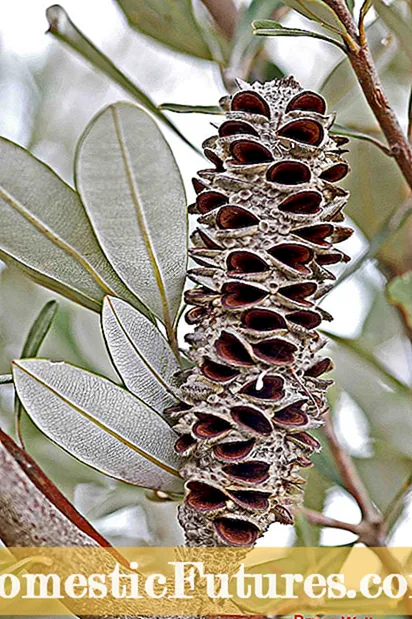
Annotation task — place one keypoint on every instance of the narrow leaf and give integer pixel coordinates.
(399, 291)
(99, 423)
(62, 27)
(133, 192)
(187, 109)
(32, 345)
(5, 379)
(171, 23)
(271, 28)
(318, 11)
(397, 23)
(140, 353)
(338, 129)
(45, 232)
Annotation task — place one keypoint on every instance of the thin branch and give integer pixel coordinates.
(364, 67)
(320, 520)
(225, 15)
(351, 479)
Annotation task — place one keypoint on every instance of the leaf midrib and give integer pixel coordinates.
(54, 238)
(151, 369)
(140, 215)
(99, 423)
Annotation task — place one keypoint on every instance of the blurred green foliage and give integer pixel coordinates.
(60, 93)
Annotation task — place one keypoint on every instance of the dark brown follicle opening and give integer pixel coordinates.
(288, 173)
(239, 262)
(210, 426)
(292, 415)
(208, 242)
(213, 158)
(331, 258)
(271, 388)
(252, 419)
(238, 295)
(235, 217)
(198, 185)
(184, 443)
(217, 372)
(233, 451)
(209, 200)
(305, 318)
(282, 514)
(298, 292)
(247, 152)
(251, 499)
(335, 173)
(303, 130)
(236, 532)
(231, 349)
(253, 472)
(315, 234)
(204, 497)
(306, 440)
(293, 255)
(275, 350)
(263, 320)
(302, 203)
(250, 101)
(236, 127)
(307, 101)
(321, 367)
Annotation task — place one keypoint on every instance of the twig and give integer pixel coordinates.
(320, 520)
(225, 15)
(363, 65)
(351, 479)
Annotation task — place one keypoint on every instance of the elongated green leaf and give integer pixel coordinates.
(397, 23)
(338, 129)
(386, 406)
(99, 423)
(399, 293)
(62, 27)
(133, 192)
(33, 342)
(245, 46)
(188, 109)
(39, 330)
(140, 353)
(318, 11)
(171, 23)
(269, 28)
(45, 232)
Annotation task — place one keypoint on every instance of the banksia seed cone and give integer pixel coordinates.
(270, 216)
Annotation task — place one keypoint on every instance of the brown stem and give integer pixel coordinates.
(351, 479)
(225, 15)
(363, 65)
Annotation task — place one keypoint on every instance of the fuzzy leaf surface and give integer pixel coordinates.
(133, 193)
(99, 423)
(46, 233)
(140, 353)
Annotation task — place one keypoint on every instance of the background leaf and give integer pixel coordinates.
(62, 27)
(399, 292)
(271, 28)
(140, 353)
(171, 23)
(98, 422)
(318, 11)
(45, 231)
(133, 193)
(34, 340)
